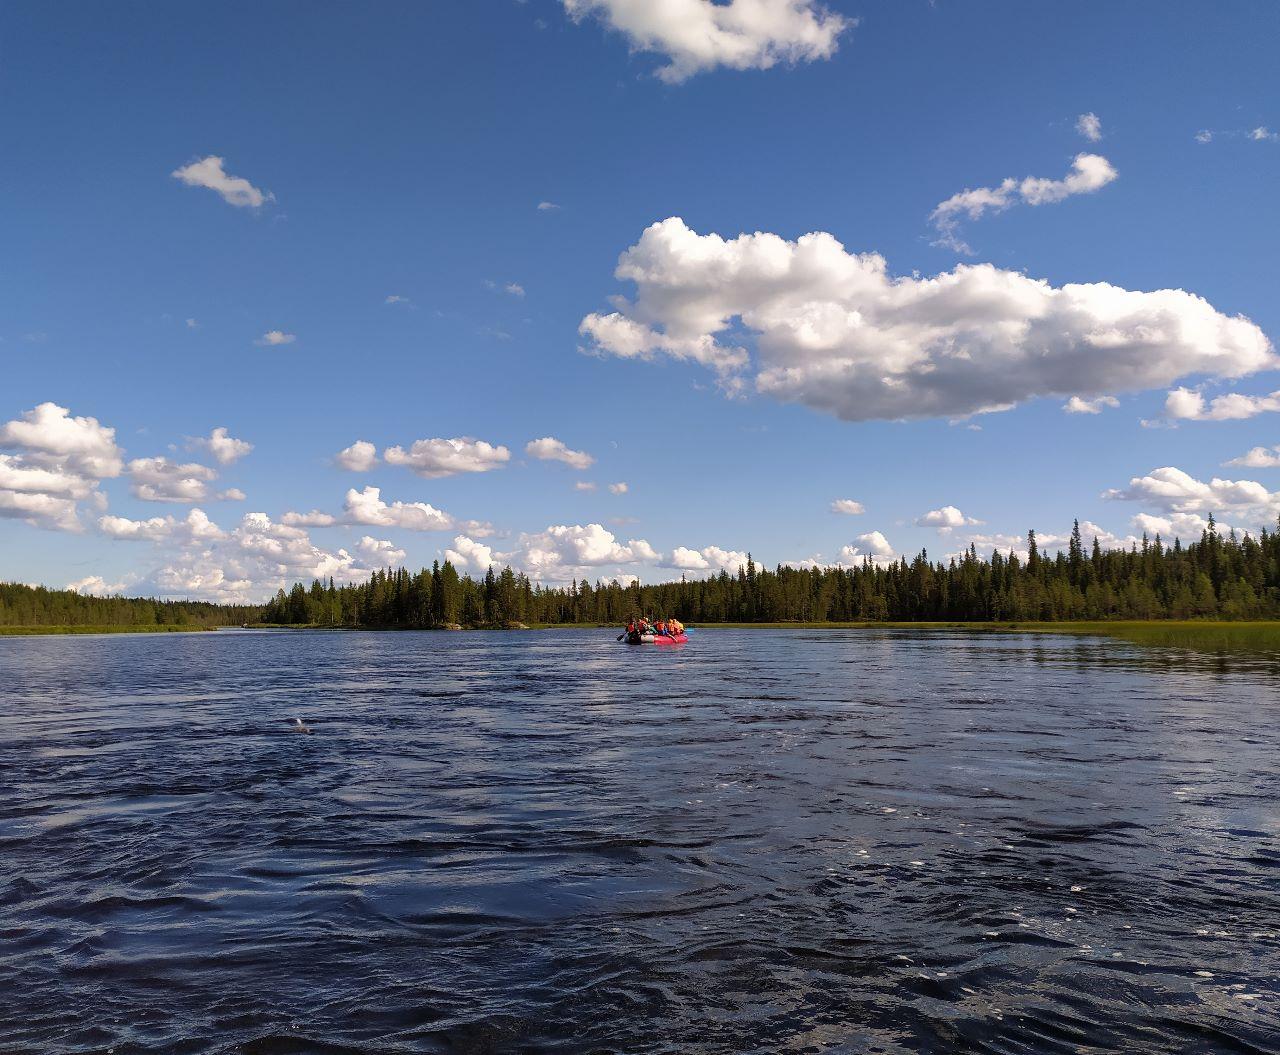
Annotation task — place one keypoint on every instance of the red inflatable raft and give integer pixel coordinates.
(657, 639)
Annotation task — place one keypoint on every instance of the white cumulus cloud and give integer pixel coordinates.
(379, 552)
(697, 35)
(848, 507)
(467, 554)
(1171, 489)
(872, 546)
(97, 586)
(1184, 404)
(620, 488)
(711, 558)
(435, 458)
(360, 457)
(1258, 458)
(1076, 405)
(548, 448)
(560, 551)
(315, 518)
(194, 527)
(40, 510)
(48, 435)
(58, 459)
(837, 333)
(1188, 526)
(224, 448)
(274, 338)
(367, 507)
(234, 190)
(946, 519)
(160, 480)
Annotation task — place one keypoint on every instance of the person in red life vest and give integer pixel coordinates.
(660, 627)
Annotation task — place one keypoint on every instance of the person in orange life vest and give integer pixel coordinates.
(674, 627)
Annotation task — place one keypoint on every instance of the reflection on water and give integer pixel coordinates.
(763, 841)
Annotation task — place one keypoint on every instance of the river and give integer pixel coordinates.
(762, 841)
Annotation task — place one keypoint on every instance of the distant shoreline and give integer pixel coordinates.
(45, 631)
(1195, 634)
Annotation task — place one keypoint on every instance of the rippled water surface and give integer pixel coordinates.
(761, 842)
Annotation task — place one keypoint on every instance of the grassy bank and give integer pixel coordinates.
(30, 631)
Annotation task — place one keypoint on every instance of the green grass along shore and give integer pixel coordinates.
(1196, 634)
(32, 631)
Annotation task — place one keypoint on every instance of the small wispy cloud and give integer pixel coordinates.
(395, 298)
(1090, 126)
(234, 190)
(1259, 134)
(1089, 173)
(272, 338)
(1077, 405)
(513, 289)
(548, 206)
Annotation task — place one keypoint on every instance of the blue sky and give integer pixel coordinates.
(403, 151)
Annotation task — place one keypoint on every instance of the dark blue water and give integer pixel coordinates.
(761, 842)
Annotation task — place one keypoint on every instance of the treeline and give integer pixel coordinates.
(22, 605)
(1215, 578)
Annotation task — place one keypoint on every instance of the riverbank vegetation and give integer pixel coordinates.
(36, 609)
(1217, 577)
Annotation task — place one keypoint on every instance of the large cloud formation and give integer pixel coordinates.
(1171, 489)
(698, 35)
(255, 559)
(57, 460)
(836, 332)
